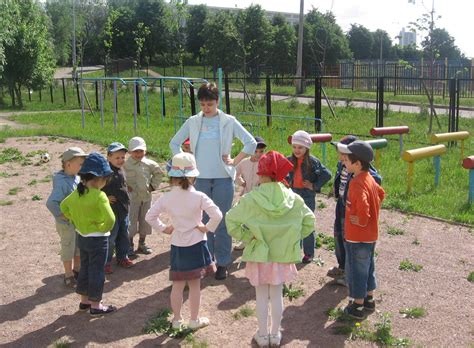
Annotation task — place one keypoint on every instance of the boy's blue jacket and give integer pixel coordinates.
(318, 174)
(63, 186)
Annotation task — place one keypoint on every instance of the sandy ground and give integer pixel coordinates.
(36, 309)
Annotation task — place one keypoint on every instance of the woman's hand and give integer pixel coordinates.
(169, 229)
(227, 160)
(202, 228)
(308, 184)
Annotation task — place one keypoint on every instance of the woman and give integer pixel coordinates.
(211, 133)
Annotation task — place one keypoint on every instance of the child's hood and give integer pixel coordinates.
(274, 198)
(61, 177)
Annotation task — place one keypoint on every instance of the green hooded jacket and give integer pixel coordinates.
(272, 220)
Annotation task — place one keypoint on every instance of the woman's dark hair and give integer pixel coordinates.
(208, 91)
(180, 181)
(365, 165)
(305, 162)
(81, 187)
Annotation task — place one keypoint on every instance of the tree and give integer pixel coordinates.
(443, 44)
(176, 16)
(122, 37)
(382, 47)
(140, 33)
(282, 51)
(407, 53)
(360, 41)
(29, 54)
(60, 14)
(324, 41)
(194, 30)
(7, 30)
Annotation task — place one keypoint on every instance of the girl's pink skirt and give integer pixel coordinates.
(271, 273)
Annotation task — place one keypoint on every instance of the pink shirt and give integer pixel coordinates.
(247, 173)
(185, 208)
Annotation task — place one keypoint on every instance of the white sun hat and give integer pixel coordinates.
(183, 164)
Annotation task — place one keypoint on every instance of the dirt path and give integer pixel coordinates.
(36, 310)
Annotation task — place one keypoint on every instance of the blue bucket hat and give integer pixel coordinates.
(116, 146)
(96, 164)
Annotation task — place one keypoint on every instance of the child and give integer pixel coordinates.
(190, 256)
(307, 178)
(64, 182)
(360, 227)
(341, 180)
(246, 174)
(272, 220)
(116, 191)
(88, 208)
(185, 147)
(143, 176)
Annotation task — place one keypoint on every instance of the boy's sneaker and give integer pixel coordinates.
(341, 281)
(369, 304)
(102, 311)
(221, 273)
(355, 310)
(144, 249)
(275, 339)
(70, 282)
(262, 341)
(199, 323)
(307, 259)
(84, 306)
(108, 268)
(125, 263)
(335, 272)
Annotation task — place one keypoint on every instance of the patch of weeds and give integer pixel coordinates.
(10, 154)
(407, 265)
(47, 178)
(36, 198)
(7, 175)
(416, 242)
(337, 314)
(4, 203)
(470, 277)
(244, 312)
(32, 182)
(413, 313)
(327, 241)
(322, 205)
(293, 103)
(292, 293)
(57, 139)
(191, 340)
(160, 324)
(393, 231)
(61, 343)
(319, 261)
(14, 191)
(34, 153)
(349, 103)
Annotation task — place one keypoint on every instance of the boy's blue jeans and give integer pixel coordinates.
(119, 239)
(309, 199)
(221, 191)
(90, 281)
(339, 233)
(360, 268)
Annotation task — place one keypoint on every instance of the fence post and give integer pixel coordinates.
(51, 93)
(458, 92)
(226, 92)
(395, 81)
(193, 100)
(162, 95)
(380, 90)
(96, 84)
(77, 92)
(317, 103)
(452, 105)
(29, 94)
(40, 93)
(268, 96)
(64, 90)
(137, 91)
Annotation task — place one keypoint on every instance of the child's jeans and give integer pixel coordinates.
(309, 199)
(119, 239)
(339, 234)
(90, 281)
(360, 268)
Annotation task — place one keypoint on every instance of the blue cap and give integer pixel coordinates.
(96, 164)
(116, 146)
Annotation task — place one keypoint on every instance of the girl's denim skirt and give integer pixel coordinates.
(192, 262)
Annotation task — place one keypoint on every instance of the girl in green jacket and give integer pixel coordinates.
(272, 220)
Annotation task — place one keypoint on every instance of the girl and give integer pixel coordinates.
(210, 134)
(306, 178)
(89, 210)
(190, 256)
(272, 220)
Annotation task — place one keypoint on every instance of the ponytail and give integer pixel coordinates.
(81, 187)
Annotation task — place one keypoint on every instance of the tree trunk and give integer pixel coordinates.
(17, 90)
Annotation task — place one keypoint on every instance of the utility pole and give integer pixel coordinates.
(299, 56)
(74, 64)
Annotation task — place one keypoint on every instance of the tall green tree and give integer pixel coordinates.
(360, 41)
(282, 54)
(382, 46)
(29, 54)
(444, 45)
(60, 14)
(177, 14)
(7, 29)
(194, 30)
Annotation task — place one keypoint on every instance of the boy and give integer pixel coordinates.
(364, 199)
(143, 177)
(65, 182)
(186, 147)
(246, 174)
(116, 191)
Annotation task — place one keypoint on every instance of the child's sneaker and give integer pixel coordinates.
(275, 339)
(125, 263)
(307, 259)
(199, 323)
(144, 249)
(355, 310)
(177, 324)
(262, 341)
(102, 310)
(108, 268)
(369, 304)
(341, 281)
(70, 282)
(335, 272)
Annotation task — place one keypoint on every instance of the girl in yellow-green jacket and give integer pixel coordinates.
(88, 209)
(272, 220)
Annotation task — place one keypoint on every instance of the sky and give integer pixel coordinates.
(457, 16)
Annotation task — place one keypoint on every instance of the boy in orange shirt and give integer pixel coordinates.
(361, 227)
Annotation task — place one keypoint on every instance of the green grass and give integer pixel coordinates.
(394, 231)
(448, 201)
(4, 203)
(413, 313)
(160, 324)
(61, 343)
(407, 265)
(36, 198)
(292, 292)
(243, 312)
(13, 191)
(328, 242)
(470, 277)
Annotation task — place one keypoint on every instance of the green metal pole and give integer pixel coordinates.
(219, 74)
(146, 106)
(180, 98)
